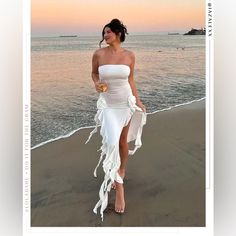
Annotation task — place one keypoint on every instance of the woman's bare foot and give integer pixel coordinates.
(120, 199)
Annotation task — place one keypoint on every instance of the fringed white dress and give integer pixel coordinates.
(115, 108)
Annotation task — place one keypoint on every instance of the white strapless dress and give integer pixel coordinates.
(115, 108)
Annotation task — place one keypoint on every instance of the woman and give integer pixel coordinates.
(121, 113)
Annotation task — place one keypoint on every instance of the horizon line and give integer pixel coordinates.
(35, 35)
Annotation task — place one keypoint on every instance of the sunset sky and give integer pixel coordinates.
(87, 17)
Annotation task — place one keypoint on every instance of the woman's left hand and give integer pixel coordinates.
(140, 104)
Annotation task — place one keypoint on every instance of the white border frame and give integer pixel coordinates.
(209, 121)
(26, 41)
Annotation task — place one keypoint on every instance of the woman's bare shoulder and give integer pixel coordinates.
(99, 51)
(130, 53)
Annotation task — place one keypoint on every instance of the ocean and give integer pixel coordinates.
(169, 71)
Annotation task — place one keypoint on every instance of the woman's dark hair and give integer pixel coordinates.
(116, 27)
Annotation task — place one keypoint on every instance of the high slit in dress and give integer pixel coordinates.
(115, 108)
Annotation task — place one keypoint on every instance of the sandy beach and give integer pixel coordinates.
(164, 183)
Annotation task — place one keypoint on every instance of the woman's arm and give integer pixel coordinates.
(133, 85)
(94, 73)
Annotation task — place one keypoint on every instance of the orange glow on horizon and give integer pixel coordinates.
(93, 15)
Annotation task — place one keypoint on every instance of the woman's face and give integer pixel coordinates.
(109, 36)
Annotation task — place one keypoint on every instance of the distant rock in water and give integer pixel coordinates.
(196, 32)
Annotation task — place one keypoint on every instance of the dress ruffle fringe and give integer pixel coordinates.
(111, 163)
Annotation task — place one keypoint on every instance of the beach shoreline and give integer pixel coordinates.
(164, 185)
(93, 126)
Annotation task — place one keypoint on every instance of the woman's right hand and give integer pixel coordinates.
(97, 86)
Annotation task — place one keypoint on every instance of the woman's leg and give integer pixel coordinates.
(120, 200)
(124, 150)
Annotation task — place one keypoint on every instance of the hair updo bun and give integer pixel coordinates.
(116, 27)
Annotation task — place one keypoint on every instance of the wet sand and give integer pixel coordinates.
(164, 183)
